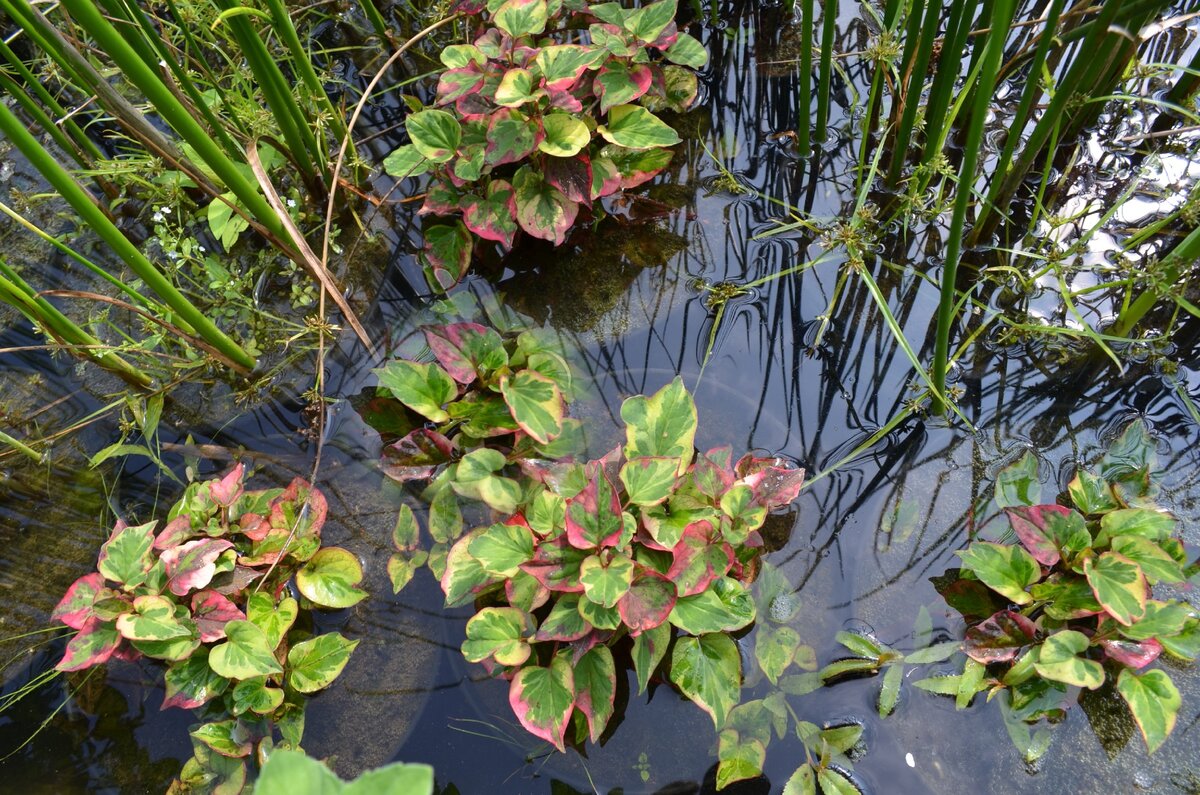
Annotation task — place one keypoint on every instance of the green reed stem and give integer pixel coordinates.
(1001, 18)
(942, 91)
(915, 70)
(84, 148)
(302, 63)
(21, 448)
(829, 13)
(804, 103)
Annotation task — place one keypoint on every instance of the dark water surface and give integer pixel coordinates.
(861, 544)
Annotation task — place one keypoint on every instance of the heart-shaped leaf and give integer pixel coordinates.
(493, 217)
(253, 695)
(402, 566)
(776, 481)
(331, 578)
(662, 425)
(708, 670)
(542, 699)
(273, 619)
(92, 645)
(227, 738)
(542, 210)
(595, 688)
(125, 556)
(634, 166)
(502, 548)
(774, 649)
(648, 22)
(246, 653)
(556, 565)
(467, 351)
(619, 84)
(1050, 532)
(1154, 701)
(724, 607)
(516, 88)
(999, 638)
(498, 632)
(1119, 586)
(687, 51)
(511, 137)
(697, 561)
(535, 402)
(1091, 493)
(566, 136)
(75, 608)
(606, 180)
(192, 682)
(446, 255)
(521, 18)
(1161, 620)
(648, 602)
(634, 127)
(562, 64)
(464, 575)
(191, 566)
(212, 611)
(649, 648)
(606, 582)
(1155, 562)
(477, 479)
(1154, 525)
(152, 618)
(1132, 653)
(738, 758)
(406, 161)
(649, 481)
(594, 515)
(1007, 570)
(1058, 660)
(314, 664)
(1067, 597)
(424, 388)
(435, 134)
(564, 621)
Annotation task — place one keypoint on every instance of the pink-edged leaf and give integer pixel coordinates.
(494, 217)
(606, 180)
(775, 481)
(300, 508)
(473, 107)
(1047, 531)
(212, 611)
(561, 65)
(236, 581)
(564, 100)
(648, 602)
(224, 492)
(697, 561)
(441, 198)
(254, 527)
(511, 137)
(416, 456)
(571, 175)
(669, 35)
(556, 565)
(619, 84)
(637, 166)
(542, 699)
(191, 683)
(999, 638)
(467, 351)
(75, 608)
(1132, 653)
(542, 209)
(92, 645)
(594, 514)
(447, 254)
(595, 688)
(125, 557)
(175, 533)
(191, 566)
(712, 473)
(457, 83)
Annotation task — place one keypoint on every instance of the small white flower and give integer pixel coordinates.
(291, 202)
(202, 249)
(157, 218)
(164, 210)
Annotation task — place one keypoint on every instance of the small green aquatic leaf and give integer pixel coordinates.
(1155, 562)
(970, 683)
(457, 56)
(406, 161)
(502, 548)
(649, 481)
(938, 652)
(1119, 586)
(774, 649)
(1091, 494)
(649, 648)
(125, 556)
(1007, 570)
(253, 695)
(542, 209)
(738, 759)
(566, 136)
(511, 137)
(192, 683)
(464, 575)
(708, 670)
(606, 582)
(889, 690)
(467, 351)
(445, 517)
(407, 534)
(295, 773)
(801, 782)
(152, 618)
(861, 645)
(224, 221)
(662, 425)
(498, 632)
(1143, 522)
(446, 256)
(424, 388)
(1058, 660)
(687, 51)
(834, 782)
(313, 664)
(516, 88)
(535, 402)
(521, 18)
(595, 688)
(1161, 620)
(494, 217)
(331, 578)
(1154, 701)
(92, 645)
(542, 699)
(725, 606)
(435, 133)
(1050, 532)
(851, 665)
(649, 21)
(634, 127)
(564, 621)
(402, 566)
(227, 738)
(246, 653)
(1017, 484)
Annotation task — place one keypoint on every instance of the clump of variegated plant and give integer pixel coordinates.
(1069, 603)
(549, 108)
(208, 595)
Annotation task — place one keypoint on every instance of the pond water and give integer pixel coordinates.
(786, 375)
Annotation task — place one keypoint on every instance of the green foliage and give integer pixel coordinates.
(1083, 579)
(207, 596)
(294, 773)
(534, 121)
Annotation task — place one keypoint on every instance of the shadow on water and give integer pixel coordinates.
(797, 368)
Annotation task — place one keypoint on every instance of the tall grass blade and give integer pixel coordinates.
(829, 14)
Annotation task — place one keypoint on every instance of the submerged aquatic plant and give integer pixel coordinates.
(530, 126)
(208, 596)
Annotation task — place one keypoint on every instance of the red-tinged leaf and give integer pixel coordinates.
(225, 491)
(516, 88)
(606, 180)
(571, 175)
(441, 198)
(635, 167)
(494, 43)
(191, 683)
(712, 473)
(564, 100)
(1119, 586)
(254, 527)
(416, 456)
(556, 565)
(999, 638)
(669, 35)
(447, 254)
(495, 217)
(125, 556)
(92, 645)
(511, 136)
(191, 566)
(466, 351)
(542, 209)
(75, 608)
(457, 83)
(776, 481)
(1131, 653)
(300, 509)
(619, 84)
(594, 514)
(563, 64)
(473, 107)
(697, 561)
(1049, 530)
(648, 602)
(542, 699)
(176, 532)
(595, 688)
(212, 611)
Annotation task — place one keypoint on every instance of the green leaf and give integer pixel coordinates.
(1155, 562)
(226, 737)
(406, 161)
(446, 255)
(522, 17)
(687, 51)
(939, 652)
(542, 210)
(445, 517)
(458, 56)
(225, 222)
(1161, 620)
(775, 648)
(192, 682)
(516, 88)
(606, 582)
(1143, 522)
(1058, 660)
(511, 137)
(464, 575)
(738, 759)
(1091, 494)
(649, 21)
(125, 556)
(535, 402)
(314, 664)
(889, 691)
(598, 615)
(662, 425)
(435, 133)
(255, 696)
(725, 606)
(407, 534)
(502, 548)
(747, 514)
(649, 648)
(542, 699)
(1017, 484)
(1119, 586)
(1050, 532)
(498, 632)
(618, 84)
(245, 654)
(634, 127)
(424, 388)
(468, 351)
(475, 478)
(708, 670)
(295, 773)
(649, 481)
(331, 578)
(153, 618)
(596, 688)
(834, 782)
(1154, 702)
(1067, 597)
(801, 782)
(1008, 570)
(566, 136)
(564, 621)
(547, 514)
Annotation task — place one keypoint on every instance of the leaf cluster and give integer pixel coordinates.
(207, 595)
(550, 108)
